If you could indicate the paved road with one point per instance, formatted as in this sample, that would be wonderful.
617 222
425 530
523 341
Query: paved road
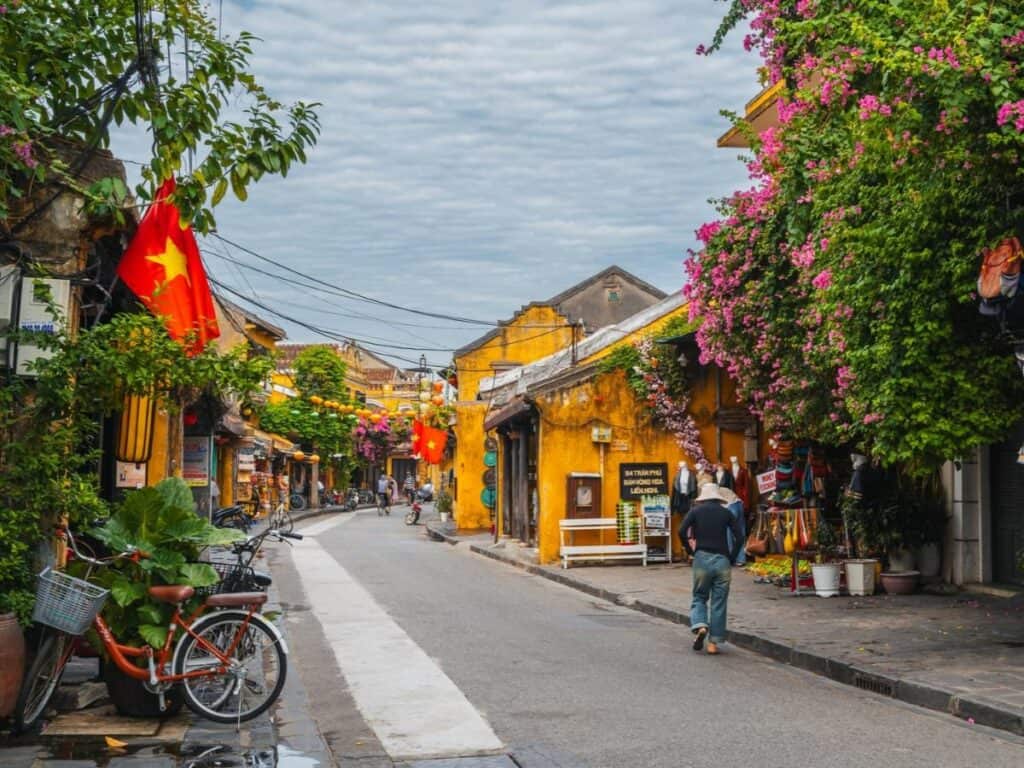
561 679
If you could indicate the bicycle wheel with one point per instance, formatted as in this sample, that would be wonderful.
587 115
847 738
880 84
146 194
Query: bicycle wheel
254 674
41 679
297 501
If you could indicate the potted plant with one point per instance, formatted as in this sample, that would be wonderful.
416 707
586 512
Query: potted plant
162 522
826 571
443 505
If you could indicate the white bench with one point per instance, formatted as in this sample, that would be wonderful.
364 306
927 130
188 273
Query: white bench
613 551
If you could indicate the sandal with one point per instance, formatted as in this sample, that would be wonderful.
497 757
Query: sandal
712 649
698 642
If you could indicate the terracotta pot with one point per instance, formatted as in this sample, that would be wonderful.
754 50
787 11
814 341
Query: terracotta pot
900 582
12 662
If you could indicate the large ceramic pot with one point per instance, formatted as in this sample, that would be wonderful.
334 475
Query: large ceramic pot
12 662
900 582
826 579
860 577
131 698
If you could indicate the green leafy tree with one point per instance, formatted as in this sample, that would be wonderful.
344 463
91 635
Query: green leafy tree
71 68
839 290
319 373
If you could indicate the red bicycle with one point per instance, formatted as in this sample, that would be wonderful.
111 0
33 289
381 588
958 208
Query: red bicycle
231 662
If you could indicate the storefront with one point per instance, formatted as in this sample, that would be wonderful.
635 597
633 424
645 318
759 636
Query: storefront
1006 503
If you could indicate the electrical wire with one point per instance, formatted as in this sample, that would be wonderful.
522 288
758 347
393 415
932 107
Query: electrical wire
360 296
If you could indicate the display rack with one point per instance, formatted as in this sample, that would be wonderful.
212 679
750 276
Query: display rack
657 526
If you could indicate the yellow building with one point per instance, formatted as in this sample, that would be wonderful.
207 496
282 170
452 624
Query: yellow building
543 418
536 331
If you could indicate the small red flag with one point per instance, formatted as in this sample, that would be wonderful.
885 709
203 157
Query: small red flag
162 267
432 443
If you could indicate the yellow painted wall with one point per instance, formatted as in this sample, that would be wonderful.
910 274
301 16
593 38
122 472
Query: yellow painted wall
567 417
529 336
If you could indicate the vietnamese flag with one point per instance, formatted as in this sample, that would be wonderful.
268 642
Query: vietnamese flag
162 267
432 443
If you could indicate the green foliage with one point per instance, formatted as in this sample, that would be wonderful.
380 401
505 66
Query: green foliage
49 451
320 371
65 72
839 291
162 523
443 503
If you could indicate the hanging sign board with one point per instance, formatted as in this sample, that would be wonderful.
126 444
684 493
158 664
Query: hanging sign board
601 434
637 480
247 458
766 482
195 464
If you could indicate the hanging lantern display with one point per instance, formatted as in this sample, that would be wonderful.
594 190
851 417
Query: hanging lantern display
437 400
315 458
298 456
316 400
424 409
438 386
375 418
424 396
135 429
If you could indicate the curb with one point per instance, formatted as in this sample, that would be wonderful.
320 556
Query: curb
932 697
437 534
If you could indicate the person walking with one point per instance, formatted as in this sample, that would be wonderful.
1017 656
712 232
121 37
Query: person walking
384 494
409 488
709 522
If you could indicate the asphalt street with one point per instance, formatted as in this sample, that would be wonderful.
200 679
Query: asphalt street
561 679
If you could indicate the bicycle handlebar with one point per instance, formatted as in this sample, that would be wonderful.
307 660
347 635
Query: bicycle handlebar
132 552
296 536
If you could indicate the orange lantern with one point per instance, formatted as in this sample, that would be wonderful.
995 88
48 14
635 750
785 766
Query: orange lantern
438 386
298 456
316 400
315 459
437 400
375 418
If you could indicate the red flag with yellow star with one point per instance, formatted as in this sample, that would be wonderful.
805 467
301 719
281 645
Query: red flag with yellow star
162 267
432 443
417 437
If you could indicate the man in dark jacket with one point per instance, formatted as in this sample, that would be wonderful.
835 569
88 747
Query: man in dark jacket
707 522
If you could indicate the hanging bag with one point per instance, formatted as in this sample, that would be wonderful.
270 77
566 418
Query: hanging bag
1000 270
757 542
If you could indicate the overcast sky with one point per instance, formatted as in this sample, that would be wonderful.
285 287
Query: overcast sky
479 155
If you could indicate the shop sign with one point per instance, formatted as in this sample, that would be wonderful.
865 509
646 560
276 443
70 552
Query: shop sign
601 434
130 475
766 482
195 464
620 445
642 479
247 459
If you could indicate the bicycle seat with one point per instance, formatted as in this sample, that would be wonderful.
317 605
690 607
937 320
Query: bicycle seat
236 598
178 594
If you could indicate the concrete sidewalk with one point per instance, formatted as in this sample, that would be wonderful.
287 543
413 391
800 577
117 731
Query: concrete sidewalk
961 653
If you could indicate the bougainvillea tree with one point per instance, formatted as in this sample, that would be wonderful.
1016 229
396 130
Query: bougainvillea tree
838 290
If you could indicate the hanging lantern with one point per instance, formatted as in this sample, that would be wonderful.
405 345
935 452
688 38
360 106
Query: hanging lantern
135 429
316 400
298 456
424 409
424 396
375 418
315 458
438 386
437 400
424 384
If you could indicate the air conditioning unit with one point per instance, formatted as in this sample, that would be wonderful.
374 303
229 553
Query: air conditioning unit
36 296
9 277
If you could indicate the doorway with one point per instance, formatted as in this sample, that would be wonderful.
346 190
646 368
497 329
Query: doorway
1007 485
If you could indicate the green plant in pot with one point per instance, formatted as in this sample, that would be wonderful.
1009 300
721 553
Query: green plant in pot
443 503
160 521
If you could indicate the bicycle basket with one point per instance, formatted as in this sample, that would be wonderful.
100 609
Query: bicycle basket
66 603
233 578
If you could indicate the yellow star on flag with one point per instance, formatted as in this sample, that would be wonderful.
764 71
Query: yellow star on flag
431 444
172 260
415 438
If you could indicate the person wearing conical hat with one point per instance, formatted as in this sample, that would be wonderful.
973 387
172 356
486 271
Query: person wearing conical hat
709 523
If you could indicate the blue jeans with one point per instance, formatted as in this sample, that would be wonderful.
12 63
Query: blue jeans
712 575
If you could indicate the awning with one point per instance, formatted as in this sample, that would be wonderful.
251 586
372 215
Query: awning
517 406
276 442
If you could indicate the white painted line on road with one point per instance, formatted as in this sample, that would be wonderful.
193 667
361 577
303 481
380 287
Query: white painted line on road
414 708
325 525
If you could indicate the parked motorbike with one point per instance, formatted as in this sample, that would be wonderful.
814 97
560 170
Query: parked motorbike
413 515
352 500
235 516
425 492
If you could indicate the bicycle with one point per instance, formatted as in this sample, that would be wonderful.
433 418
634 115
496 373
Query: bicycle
281 518
231 663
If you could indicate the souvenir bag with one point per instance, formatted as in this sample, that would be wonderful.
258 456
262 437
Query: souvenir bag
1000 270
757 542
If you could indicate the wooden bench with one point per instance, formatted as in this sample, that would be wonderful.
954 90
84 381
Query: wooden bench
613 551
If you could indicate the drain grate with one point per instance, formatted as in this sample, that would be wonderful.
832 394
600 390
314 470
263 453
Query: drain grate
873 684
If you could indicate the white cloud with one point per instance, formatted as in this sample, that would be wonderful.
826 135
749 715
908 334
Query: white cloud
479 155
